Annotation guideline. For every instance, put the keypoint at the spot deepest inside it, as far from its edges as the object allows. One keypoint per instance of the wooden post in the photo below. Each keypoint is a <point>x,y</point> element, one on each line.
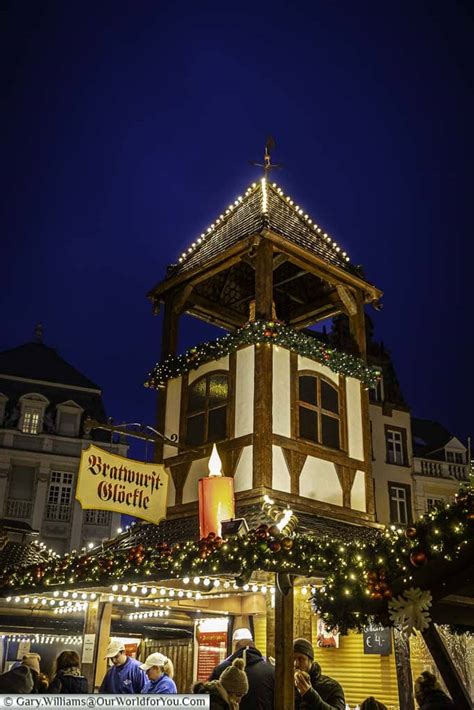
<point>169,343</point>
<point>447,668</point>
<point>403,667</point>
<point>284,672</point>
<point>97,622</point>
<point>357,327</point>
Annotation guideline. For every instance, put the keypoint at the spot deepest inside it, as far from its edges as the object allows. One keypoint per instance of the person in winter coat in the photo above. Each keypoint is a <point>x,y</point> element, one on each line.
<point>159,670</point>
<point>372,704</point>
<point>429,694</point>
<point>16,680</point>
<point>260,673</point>
<point>314,690</point>
<point>40,680</point>
<point>227,692</point>
<point>68,678</point>
<point>125,676</point>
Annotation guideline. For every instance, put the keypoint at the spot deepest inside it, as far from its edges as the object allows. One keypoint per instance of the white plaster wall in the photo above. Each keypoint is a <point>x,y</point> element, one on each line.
<point>354,419</point>
<point>244,391</point>
<point>305,363</point>
<point>358,492</point>
<point>198,469</point>
<point>244,472</point>
<point>171,497</point>
<point>173,405</point>
<point>281,480</point>
<point>281,392</point>
<point>382,471</point>
<point>222,364</point>
<point>319,481</point>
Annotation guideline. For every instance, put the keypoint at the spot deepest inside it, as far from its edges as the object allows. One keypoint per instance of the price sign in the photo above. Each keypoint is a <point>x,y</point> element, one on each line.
<point>378,641</point>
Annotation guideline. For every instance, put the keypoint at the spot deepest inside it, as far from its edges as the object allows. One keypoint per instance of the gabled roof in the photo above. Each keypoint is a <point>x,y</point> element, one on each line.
<point>264,206</point>
<point>36,361</point>
<point>428,436</point>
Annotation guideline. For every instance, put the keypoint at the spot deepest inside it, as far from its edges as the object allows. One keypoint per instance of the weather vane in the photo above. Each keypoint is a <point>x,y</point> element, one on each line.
<point>267,164</point>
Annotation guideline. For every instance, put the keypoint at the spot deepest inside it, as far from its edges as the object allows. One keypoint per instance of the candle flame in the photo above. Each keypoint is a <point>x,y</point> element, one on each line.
<point>215,464</point>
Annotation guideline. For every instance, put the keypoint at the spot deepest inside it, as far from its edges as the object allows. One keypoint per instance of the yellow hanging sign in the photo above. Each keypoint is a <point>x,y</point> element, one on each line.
<point>110,482</point>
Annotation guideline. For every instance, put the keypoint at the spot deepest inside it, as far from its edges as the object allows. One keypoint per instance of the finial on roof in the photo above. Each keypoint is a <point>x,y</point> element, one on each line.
<point>39,333</point>
<point>267,158</point>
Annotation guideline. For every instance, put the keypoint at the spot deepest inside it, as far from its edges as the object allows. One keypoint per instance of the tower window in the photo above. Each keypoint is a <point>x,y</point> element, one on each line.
<point>318,411</point>
<point>31,419</point>
<point>207,409</point>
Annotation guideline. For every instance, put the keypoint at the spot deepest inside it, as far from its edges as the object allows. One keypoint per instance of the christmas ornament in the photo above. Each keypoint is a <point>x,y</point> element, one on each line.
<point>409,610</point>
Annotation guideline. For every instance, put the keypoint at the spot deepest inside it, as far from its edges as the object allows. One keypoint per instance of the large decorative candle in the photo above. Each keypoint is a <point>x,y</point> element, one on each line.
<point>216,498</point>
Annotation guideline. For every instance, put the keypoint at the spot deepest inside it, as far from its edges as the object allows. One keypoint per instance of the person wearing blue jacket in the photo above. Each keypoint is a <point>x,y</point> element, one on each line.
<point>125,677</point>
<point>159,670</point>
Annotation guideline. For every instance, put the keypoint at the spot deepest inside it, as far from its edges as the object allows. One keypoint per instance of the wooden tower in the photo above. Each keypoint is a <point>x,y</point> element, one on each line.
<point>289,413</point>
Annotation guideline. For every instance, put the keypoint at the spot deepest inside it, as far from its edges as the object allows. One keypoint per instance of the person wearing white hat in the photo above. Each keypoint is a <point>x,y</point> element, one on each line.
<point>125,676</point>
<point>159,670</point>
<point>260,673</point>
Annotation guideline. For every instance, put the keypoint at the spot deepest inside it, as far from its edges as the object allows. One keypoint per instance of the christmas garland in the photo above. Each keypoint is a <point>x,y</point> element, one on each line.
<point>254,333</point>
<point>358,574</point>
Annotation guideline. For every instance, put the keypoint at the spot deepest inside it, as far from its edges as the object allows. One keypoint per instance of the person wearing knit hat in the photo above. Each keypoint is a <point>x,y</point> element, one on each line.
<point>372,704</point>
<point>227,692</point>
<point>260,673</point>
<point>17,680</point>
<point>429,694</point>
<point>314,691</point>
<point>40,680</point>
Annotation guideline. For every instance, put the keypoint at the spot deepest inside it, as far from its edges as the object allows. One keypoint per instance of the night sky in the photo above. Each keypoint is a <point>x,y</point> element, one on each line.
<point>128,126</point>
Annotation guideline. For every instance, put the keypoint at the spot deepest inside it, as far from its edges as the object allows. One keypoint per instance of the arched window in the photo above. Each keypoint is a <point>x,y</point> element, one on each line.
<point>318,411</point>
<point>207,409</point>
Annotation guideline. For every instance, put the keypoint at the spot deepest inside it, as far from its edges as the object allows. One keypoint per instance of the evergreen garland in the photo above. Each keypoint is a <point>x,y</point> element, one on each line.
<point>256,333</point>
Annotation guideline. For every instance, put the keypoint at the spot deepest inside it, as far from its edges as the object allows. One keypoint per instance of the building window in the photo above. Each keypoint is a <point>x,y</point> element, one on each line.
<point>3,404</point>
<point>396,445</point>
<point>97,517</point>
<point>19,503</point>
<point>59,506</point>
<point>376,393</point>
<point>432,503</point>
<point>32,411</point>
<point>318,411</point>
<point>31,418</point>
<point>207,409</point>
<point>68,418</point>
<point>454,457</point>
<point>400,503</point>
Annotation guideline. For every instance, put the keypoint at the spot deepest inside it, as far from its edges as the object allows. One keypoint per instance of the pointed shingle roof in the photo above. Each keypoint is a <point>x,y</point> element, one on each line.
<point>264,206</point>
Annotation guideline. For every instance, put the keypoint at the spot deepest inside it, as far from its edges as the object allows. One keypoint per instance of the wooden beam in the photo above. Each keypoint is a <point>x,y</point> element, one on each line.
<point>202,307</point>
<point>403,668</point>
<point>347,298</point>
<point>317,265</point>
<point>264,280</point>
<point>284,671</point>
<point>278,260</point>
<point>447,668</point>
<point>97,622</point>
<point>262,416</point>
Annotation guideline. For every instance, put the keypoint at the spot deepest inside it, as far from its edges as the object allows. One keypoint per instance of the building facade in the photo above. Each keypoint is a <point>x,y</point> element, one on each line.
<point>44,404</point>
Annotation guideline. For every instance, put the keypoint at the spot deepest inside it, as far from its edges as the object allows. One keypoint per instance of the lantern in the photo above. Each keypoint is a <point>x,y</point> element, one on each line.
<point>216,498</point>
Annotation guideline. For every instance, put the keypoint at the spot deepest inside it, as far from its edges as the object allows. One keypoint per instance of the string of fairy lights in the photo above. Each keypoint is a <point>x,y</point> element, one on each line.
<point>359,575</point>
<point>264,186</point>
<point>257,333</point>
<point>42,638</point>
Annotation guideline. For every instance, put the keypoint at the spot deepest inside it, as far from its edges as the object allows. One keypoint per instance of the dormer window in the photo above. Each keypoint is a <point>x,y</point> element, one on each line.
<point>318,411</point>
<point>3,404</point>
<point>206,419</point>
<point>68,418</point>
<point>32,412</point>
<point>454,457</point>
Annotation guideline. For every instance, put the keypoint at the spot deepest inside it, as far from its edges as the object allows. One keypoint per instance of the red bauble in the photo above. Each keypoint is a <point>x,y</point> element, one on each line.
<point>376,596</point>
<point>411,533</point>
<point>267,333</point>
<point>274,546</point>
<point>418,558</point>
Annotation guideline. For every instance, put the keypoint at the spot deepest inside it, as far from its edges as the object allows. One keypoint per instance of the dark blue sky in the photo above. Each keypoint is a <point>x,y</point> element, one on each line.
<point>128,126</point>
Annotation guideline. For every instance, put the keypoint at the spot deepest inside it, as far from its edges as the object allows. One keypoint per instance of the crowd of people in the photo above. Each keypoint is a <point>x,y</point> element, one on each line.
<point>243,681</point>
